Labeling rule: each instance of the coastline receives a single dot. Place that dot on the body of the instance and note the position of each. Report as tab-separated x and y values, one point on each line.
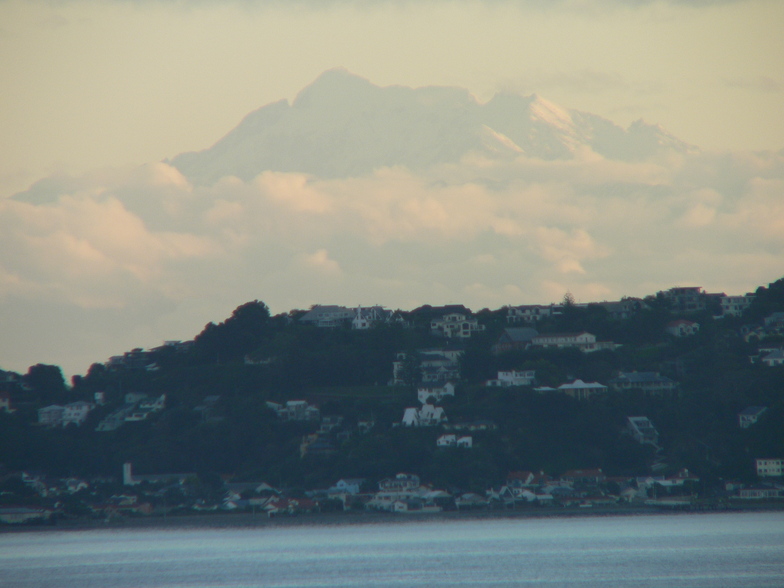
247	520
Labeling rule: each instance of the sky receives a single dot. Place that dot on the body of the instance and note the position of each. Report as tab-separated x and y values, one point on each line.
114	255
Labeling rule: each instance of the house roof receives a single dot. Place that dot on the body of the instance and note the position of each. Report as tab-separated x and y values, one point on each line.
518	335
641	377
580	384
753	411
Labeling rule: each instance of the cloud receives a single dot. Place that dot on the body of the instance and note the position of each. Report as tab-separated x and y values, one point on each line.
144	243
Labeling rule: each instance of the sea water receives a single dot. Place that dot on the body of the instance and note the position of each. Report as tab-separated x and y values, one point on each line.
726	549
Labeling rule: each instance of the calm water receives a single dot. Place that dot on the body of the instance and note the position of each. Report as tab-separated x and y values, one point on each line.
737	549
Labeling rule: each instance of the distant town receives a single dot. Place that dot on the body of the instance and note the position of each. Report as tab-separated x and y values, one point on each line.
672	401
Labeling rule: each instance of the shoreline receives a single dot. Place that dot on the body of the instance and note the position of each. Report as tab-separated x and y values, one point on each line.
257	521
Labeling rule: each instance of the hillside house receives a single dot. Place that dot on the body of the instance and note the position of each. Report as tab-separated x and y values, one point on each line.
401	482
76	412
682	328
642	430
425	393
514	339
450	440
770	468
750	415
649	382
51	416
434	365
582	390
427	416
455	325
328	316
584	341
590	477
774	358
531	313
735	305
513	378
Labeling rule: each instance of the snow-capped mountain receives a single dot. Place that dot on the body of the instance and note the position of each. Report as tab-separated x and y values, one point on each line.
342	125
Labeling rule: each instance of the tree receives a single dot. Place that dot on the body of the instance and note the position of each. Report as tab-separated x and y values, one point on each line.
47	381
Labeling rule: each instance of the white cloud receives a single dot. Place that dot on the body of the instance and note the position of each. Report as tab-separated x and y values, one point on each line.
144	243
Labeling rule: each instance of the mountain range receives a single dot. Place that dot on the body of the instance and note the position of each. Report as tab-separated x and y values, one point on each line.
342	125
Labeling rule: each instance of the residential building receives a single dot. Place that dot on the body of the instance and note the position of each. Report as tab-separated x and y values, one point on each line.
424	393
774	358
584	341
427	416
735	305
51	416
775	321
5	402
450	440
760	492
347	486
531	313
366	317
328	316
623	309
689	299
768	467
455	325
513	378
590	477
642	430
750	415
649	382
434	365
400	482
514	339
682	328
582	390
76	412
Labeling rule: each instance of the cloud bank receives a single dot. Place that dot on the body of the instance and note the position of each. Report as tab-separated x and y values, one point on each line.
122	258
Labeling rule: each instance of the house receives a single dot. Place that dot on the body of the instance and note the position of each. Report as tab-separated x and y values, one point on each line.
328	316
436	392
591	477
584	341
513	378
735	305
450	440
750	415
531	313
5	402
131	479
682	328
427	416
347	486
767	467
295	410
623	309
774	321
642	430
649	382
76	412
434	365
51	416
366	317
401	482
761	492
582	390
688	299
480	425
514	339
774	358
455	325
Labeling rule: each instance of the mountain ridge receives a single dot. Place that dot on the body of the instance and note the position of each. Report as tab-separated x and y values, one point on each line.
342	125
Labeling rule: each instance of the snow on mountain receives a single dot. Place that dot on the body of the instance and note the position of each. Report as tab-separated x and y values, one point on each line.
342	125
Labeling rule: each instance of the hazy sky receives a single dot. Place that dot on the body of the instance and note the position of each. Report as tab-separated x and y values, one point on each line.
92	90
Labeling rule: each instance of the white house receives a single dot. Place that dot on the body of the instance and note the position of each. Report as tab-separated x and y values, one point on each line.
513	378
455	325
51	416
774	358
582	390
530	313
770	467
584	341
682	328
642	430
427	416
437	392
76	412
735	305
347	486
451	440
